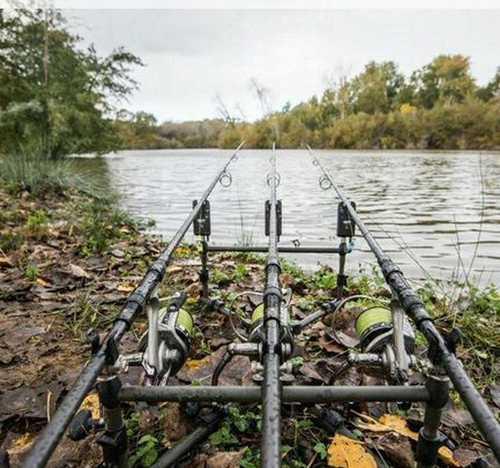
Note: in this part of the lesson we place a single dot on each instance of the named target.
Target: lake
(434, 212)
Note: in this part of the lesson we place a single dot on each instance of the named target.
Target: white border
(268, 4)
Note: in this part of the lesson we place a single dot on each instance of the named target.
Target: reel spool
(175, 332)
(374, 328)
(257, 322)
(175, 337)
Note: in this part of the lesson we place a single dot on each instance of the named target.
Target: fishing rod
(106, 353)
(271, 389)
(439, 351)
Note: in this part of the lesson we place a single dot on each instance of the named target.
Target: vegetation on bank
(439, 106)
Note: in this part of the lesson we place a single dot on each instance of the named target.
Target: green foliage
(31, 272)
(475, 312)
(293, 269)
(321, 450)
(223, 437)
(10, 241)
(147, 451)
(251, 458)
(446, 79)
(54, 92)
(102, 224)
(219, 277)
(238, 422)
(297, 361)
(37, 224)
(324, 278)
(240, 272)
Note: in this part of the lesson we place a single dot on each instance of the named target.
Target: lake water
(433, 208)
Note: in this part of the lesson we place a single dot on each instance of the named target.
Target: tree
(53, 93)
(491, 90)
(376, 89)
(447, 79)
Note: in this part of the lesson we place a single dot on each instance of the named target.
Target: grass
(34, 173)
(476, 315)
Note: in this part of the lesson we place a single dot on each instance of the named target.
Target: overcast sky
(191, 55)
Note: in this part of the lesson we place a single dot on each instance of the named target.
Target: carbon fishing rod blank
(443, 358)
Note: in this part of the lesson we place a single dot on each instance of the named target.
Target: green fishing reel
(175, 333)
(168, 341)
(257, 321)
(374, 328)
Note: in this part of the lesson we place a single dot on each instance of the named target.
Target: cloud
(193, 54)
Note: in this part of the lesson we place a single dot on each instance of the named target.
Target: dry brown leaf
(125, 288)
(394, 423)
(195, 364)
(5, 261)
(42, 282)
(349, 453)
(78, 271)
(225, 459)
(22, 443)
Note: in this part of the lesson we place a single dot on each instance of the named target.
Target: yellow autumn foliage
(344, 452)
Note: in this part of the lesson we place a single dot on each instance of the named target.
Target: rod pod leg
(114, 440)
(204, 275)
(430, 439)
(341, 276)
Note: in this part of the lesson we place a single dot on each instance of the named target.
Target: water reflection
(425, 205)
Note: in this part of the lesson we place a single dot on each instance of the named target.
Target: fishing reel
(253, 342)
(257, 336)
(257, 322)
(375, 329)
(168, 340)
(385, 341)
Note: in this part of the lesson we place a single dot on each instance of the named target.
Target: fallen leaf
(175, 423)
(394, 423)
(78, 271)
(310, 371)
(330, 346)
(5, 261)
(125, 288)
(118, 253)
(345, 452)
(174, 269)
(22, 443)
(398, 450)
(42, 282)
(91, 403)
(465, 456)
(225, 459)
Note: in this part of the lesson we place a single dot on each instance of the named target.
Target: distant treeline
(141, 131)
(439, 106)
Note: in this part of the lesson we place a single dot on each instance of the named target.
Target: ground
(67, 264)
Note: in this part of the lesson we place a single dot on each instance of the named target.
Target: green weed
(147, 451)
(31, 272)
(37, 224)
(10, 241)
